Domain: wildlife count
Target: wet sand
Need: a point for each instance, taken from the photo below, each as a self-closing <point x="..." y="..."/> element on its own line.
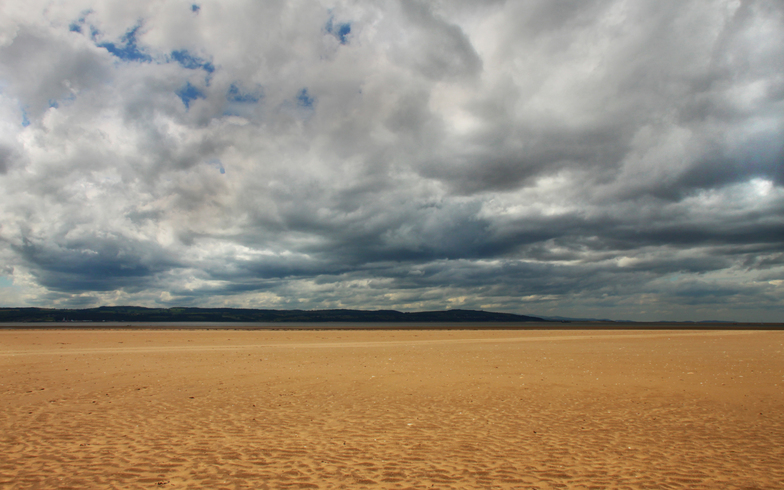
<point x="391" y="409"/>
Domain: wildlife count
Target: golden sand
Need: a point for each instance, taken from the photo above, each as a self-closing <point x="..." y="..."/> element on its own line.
<point x="391" y="409"/>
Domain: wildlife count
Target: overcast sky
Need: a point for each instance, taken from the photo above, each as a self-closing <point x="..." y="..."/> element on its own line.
<point x="590" y="158"/>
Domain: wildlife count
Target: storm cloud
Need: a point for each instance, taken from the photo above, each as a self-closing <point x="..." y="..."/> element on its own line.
<point x="599" y="158"/>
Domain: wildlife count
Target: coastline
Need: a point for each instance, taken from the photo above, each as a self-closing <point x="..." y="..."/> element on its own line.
<point x="552" y="325"/>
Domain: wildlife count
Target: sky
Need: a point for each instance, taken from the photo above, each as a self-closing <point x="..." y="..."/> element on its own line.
<point x="578" y="158"/>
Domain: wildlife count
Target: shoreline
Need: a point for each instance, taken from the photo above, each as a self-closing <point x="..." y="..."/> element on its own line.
<point x="384" y="326"/>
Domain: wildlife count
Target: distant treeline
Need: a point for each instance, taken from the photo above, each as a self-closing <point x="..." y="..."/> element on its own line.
<point x="141" y="314"/>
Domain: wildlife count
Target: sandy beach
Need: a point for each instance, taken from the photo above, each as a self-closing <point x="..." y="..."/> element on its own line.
<point x="391" y="409"/>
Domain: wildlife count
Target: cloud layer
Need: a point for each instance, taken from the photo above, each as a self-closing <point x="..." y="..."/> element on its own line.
<point x="578" y="158"/>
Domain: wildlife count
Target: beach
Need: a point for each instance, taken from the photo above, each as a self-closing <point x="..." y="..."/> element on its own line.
<point x="414" y="408"/>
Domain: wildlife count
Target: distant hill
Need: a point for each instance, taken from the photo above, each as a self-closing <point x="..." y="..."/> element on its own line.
<point x="141" y="314"/>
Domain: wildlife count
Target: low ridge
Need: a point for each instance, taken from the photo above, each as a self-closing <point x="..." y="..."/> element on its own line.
<point x="142" y="314"/>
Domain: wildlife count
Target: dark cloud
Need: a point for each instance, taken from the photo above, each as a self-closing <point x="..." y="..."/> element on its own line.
<point x="94" y="263"/>
<point x="445" y="50"/>
<point x="6" y="154"/>
<point x="536" y="152"/>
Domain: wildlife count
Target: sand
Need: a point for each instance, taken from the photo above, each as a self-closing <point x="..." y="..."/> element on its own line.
<point x="391" y="409"/>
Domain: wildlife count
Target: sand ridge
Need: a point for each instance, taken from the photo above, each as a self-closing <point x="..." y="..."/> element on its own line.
<point x="391" y="409"/>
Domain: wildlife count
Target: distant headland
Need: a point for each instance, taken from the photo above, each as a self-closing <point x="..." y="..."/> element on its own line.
<point x="142" y="314"/>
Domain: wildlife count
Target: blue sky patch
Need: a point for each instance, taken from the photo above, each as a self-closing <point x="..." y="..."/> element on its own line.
<point x="215" y="162"/>
<point x="76" y="26"/>
<point x="187" y="60"/>
<point x="188" y="94"/>
<point x="195" y="8"/>
<point x="127" y="50"/>
<point x="340" y="31"/>
<point x="25" y="120"/>
<point x="304" y="99"/>
<point x="235" y="94"/>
